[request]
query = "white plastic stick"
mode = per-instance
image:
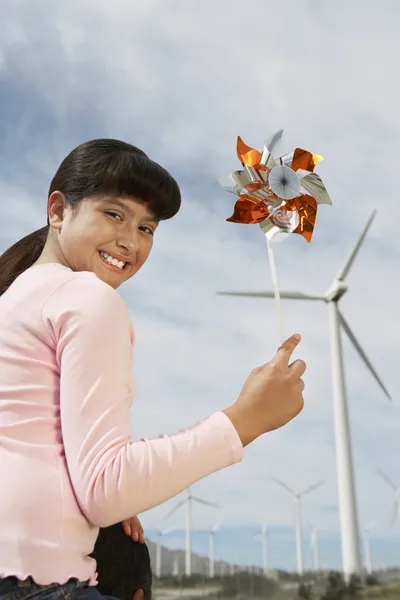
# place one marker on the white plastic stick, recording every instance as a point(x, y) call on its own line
point(276, 291)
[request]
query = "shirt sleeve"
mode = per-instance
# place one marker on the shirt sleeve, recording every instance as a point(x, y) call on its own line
point(114, 478)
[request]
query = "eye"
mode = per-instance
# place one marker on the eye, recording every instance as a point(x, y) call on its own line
point(114, 215)
point(147, 229)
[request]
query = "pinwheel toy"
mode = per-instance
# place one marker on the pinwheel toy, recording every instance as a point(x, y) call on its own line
point(280, 192)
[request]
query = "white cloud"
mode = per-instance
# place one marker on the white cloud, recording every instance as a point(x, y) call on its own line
point(183, 82)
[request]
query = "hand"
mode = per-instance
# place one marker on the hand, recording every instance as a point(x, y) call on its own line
point(133, 528)
point(271, 396)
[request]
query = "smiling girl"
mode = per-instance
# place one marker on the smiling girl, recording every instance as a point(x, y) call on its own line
point(68, 464)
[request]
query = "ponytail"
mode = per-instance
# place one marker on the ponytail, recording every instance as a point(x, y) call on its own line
point(21, 256)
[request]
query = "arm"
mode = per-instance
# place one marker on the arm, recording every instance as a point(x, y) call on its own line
point(113, 477)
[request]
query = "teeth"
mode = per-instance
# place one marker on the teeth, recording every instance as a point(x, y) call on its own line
point(112, 261)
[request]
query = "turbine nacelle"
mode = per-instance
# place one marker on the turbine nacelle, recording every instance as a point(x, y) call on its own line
point(336, 291)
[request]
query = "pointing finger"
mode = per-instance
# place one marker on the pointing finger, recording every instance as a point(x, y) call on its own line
point(284, 353)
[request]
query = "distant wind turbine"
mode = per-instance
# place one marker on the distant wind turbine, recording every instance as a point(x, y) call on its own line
point(211, 556)
point(188, 546)
point(211, 570)
point(160, 532)
point(264, 541)
point(314, 546)
point(367, 548)
point(175, 567)
point(350, 534)
point(396, 489)
point(297, 508)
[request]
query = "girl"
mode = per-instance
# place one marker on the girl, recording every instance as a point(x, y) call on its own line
point(67, 461)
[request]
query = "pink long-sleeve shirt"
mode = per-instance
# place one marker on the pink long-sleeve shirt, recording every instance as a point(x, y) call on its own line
point(67, 461)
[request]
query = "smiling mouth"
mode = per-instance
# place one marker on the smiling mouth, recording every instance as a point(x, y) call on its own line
point(112, 263)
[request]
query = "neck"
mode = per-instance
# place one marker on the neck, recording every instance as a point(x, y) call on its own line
point(51, 254)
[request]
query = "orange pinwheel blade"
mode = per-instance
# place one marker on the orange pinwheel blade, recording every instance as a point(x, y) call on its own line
point(302, 159)
point(248, 156)
point(249, 211)
point(306, 207)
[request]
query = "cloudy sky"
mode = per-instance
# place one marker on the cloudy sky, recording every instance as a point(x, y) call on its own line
point(182, 80)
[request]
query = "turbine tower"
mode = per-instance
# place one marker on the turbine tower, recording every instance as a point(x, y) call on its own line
point(188, 545)
point(211, 570)
point(314, 546)
point(367, 548)
point(175, 567)
point(349, 526)
point(297, 511)
point(160, 532)
point(264, 541)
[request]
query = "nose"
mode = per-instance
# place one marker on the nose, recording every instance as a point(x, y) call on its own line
point(129, 244)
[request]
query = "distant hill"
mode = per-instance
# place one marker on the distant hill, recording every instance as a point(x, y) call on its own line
point(199, 563)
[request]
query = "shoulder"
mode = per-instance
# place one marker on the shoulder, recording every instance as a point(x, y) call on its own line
point(83, 294)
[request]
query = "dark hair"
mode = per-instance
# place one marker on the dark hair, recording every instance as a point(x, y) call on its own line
point(103, 166)
point(123, 565)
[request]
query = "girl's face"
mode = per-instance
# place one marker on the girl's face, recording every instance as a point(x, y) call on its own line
point(110, 236)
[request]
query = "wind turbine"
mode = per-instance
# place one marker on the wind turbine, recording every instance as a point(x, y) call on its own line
point(188, 546)
point(264, 541)
point(297, 511)
point(211, 559)
point(396, 489)
point(211, 571)
point(175, 567)
point(350, 535)
point(160, 532)
point(367, 548)
point(314, 545)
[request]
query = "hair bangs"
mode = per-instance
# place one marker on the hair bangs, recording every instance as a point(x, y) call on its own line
point(137, 176)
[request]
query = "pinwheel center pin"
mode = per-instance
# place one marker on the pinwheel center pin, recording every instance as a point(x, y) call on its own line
point(284, 182)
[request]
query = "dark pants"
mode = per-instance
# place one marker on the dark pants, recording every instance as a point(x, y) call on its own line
point(13, 589)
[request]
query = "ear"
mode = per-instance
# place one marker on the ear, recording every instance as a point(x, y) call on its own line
point(138, 595)
point(56, 206)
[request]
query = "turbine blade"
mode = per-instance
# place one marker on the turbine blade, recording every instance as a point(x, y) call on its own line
point(284, 295)
point(313, 487)
point(283, 485)
point(348, 264)
point(200, 501)
point(362, 354)
point(388, 480)
point(174, 509)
